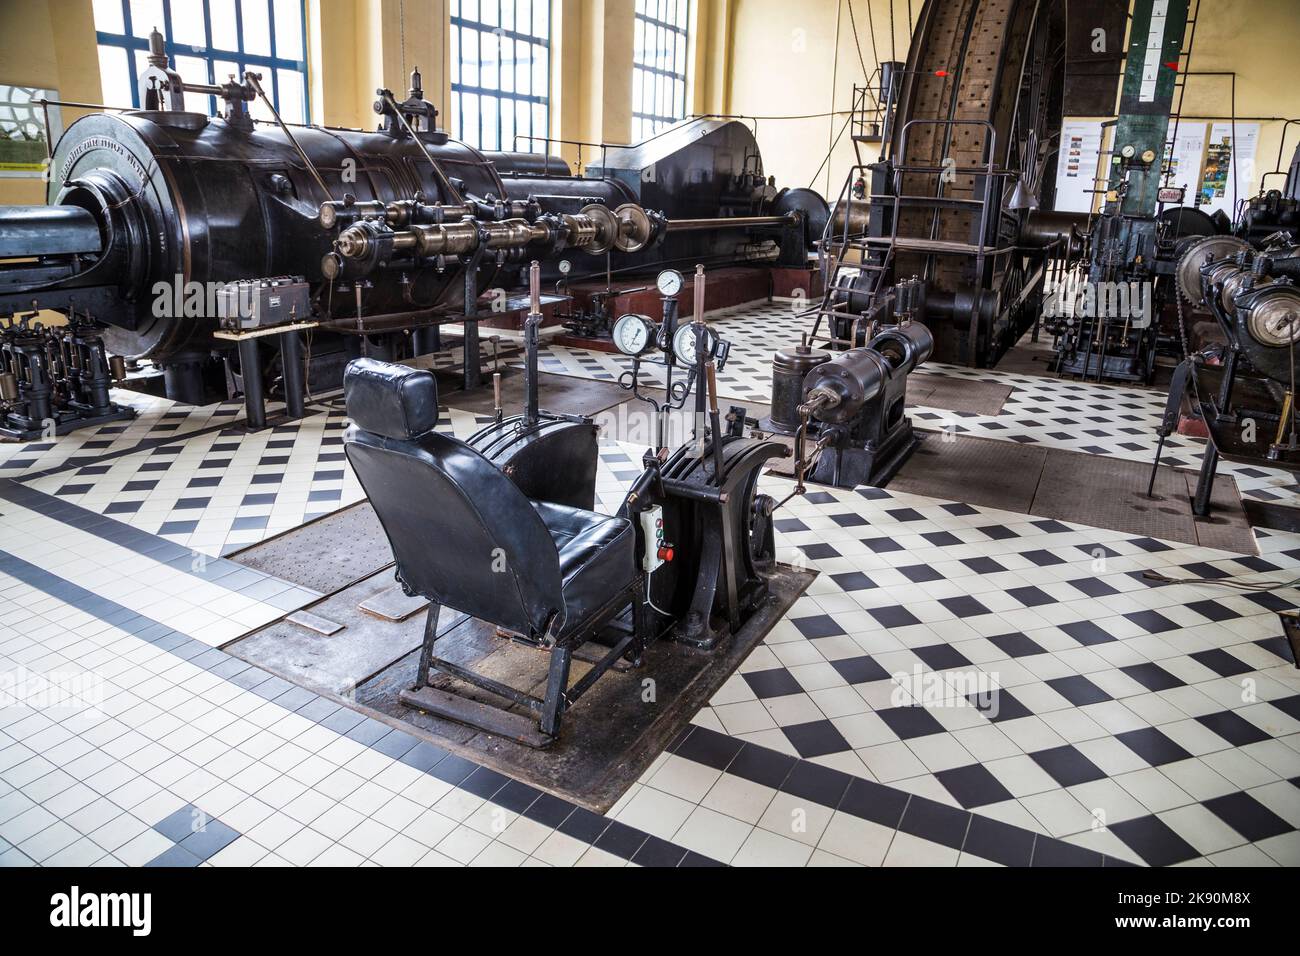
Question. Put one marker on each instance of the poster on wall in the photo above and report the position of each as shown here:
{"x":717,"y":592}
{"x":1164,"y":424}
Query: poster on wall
{"x":1076,"y":166}
{"x":22,"y":130}
{"x":1183,"y":163}
{"x":1229,"y":173}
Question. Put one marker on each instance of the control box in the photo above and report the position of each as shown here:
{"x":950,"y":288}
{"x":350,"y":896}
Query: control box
{"x":262,"y":303}
{"x":657,"y":549}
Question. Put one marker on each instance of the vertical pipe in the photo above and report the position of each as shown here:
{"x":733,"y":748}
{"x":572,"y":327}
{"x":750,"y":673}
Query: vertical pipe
{"x":250,"y":368}
{"x":294,"y":374}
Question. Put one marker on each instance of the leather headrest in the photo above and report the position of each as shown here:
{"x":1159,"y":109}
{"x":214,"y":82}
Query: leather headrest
{"x":391,"y":400}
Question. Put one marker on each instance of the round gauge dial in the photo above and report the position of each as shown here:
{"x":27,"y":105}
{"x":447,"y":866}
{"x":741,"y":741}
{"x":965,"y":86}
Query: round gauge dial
{"x":565,"y":267}
{"x":670,"y":282}
{"x":1128,"y":151}
{"x":1148,"y":156}
{"x":633,"y":334}
{"x":684,"y":343}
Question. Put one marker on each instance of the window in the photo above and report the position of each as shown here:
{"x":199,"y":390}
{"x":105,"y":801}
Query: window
{"x":207,"y":41}
{"x":501,"y":73}
{"x":659,"y":71}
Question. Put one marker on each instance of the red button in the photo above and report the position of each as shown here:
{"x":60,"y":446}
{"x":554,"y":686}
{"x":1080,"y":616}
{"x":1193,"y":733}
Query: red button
{"x":665,"y":554}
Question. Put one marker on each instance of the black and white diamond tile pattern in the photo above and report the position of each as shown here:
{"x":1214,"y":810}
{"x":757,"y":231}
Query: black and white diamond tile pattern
{"x":1058,"y":690}
{"x":1114,"y":420}
{"x":220,"y":491}
{"x":158,"y":420}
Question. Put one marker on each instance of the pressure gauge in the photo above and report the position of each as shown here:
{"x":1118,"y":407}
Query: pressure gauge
{"x":671,"y":282}
{"x":1149,"y":156}
{"x":1129,"y":151}
{"x":565,"y":267}
{"x":684,"y":343}
{"x":634,"y":334}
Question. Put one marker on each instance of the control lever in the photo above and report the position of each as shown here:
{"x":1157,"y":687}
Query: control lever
{"x":496,"y":396}
{"x":532,"y":342}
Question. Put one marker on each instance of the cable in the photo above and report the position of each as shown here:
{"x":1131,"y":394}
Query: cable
{"x":853,"y":23}
{"x":830,"y":153}
{"x":1237,"y":584}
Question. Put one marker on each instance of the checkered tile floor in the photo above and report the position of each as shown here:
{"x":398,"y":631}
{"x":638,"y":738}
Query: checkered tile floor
{"x":1071,"y":711}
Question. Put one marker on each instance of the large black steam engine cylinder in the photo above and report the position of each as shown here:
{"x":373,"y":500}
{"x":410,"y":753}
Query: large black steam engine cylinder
{"x":395,"y":230}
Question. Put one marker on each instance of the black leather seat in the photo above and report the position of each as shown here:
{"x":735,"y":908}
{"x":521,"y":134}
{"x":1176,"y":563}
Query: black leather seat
{"x":594,"y":553}
{"x":467,"y":538}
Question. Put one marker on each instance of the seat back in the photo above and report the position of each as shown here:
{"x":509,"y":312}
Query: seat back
{"x":462,"y":533}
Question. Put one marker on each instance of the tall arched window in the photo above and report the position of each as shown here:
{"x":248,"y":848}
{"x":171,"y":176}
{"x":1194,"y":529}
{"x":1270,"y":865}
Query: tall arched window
{"x":660,"y":65}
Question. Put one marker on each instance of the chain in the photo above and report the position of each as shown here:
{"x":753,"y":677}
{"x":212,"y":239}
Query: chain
{"x":401,"y":34}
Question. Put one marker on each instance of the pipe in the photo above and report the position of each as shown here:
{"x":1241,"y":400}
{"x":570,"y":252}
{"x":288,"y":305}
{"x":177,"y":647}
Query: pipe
{"x":729,"y":222}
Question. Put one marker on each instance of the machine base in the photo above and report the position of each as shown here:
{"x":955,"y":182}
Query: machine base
{"x":12,"y":430}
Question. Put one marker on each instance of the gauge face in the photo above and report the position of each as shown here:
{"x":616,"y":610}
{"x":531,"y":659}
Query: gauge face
{"x":565,"y":267}
{"x":670,"y":282}
{"x":1128,"y":151}
{"x":1149,"y":156}
{"x":684,"y":343}
{"x":633,"y":334}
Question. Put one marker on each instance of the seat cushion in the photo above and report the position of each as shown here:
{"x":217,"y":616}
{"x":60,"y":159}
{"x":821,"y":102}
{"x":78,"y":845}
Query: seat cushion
{"x":597,"y":557}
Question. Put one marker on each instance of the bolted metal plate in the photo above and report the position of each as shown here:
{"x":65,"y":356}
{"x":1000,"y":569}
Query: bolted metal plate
{"x":326,"y":555}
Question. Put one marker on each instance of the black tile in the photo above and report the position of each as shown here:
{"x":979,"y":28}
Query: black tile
{"x":620,"y":840}
{"x":176,"y":826}
{"x":895,"y":616}
{"x":212,"y":837}
{"x":709,"y":748}
{"x":1288,"y":705}
{"x":1152,"y":676}
{"x":905,"y":514}
{"x":964,"y":606}
{"x":942,"y":539}
{"x":1049,"y":852}
{"x":1152,"y":839}
{"x":395,"y":743}
{"x":909,"y":722}
{"x":484,"y":782}
{"x":655,"y":852}
{"x":1221,"y":662}
{"x":936,"y":822}
{"x":1078,"y":690}
{"x":1233,"y":728}
{"x":983,"y":565}
{"x":941,"y":657}
{"x":1067,"y":766}
{"x":1153,"y":622}
{"x":997,"y":841}
{"x":873,"y":801}
{"x":1093,"y":587}
{"x":853,"y":581}
{"x":815,"y":552}
{"x":859,"y":670}
{"x":849,"y":520}
{"x":998,"y":532}
{"x":1152,"y":746}
{"x":777,"y":682}
{"x":1002,"y":705}
{"x":453,"y":769}
{"x":920,"y":573}
{"x":1248,"y":816}
{"x":819,"y":625}
{"x":882,"y":545}
{"x":1043,"y":558}
{"x":548,"y":810}
{"x":816,"y":738}
{"x":974,"y":786}
{"x":1031,"y":596}
{"x":1016,"y":645}
{"x":1213,"y":610}
{"x":175,"y":857}
{"x":811,"y":781}
{"x":582,"y":824}
{"x":693,"y":859}
{"x":761,"y":765}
